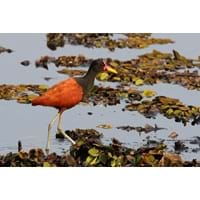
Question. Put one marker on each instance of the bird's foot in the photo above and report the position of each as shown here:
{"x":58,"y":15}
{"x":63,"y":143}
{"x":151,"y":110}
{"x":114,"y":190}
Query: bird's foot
{"x":66,"y":136}
{"x":47,"y":151}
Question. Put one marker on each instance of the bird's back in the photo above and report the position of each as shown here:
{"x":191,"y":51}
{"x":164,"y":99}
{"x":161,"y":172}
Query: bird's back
{"x":65,"y":94}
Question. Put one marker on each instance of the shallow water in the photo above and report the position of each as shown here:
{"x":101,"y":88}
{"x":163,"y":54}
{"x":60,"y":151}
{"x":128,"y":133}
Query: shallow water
{"x":29,"y":124}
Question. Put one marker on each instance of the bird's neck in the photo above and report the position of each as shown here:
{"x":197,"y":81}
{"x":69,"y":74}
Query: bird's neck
{"x":87,"y":81}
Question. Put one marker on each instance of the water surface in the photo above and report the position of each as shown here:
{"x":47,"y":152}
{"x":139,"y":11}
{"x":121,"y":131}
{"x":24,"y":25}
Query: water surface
{"x":29,"y":124}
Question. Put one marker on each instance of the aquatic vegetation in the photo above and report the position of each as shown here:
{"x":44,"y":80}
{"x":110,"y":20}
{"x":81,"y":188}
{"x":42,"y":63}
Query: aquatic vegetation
{"x":148,"y":93}
{"x":86,"y":133}
{"x":112,"y":96}
{"x":103,"y":40}
{"x":169,"y":107}
{"x":150,"y":68}
{"x":72,"y":72}
{"x":90,"y":151}
{"x":65,"y":61}
{"x":55,"y":40}
{"x":21,"y":93}
{"x":99,"y":95}
{"x":155,"y":67}
{"x":44,"y":61}
{"x":71,"y":61}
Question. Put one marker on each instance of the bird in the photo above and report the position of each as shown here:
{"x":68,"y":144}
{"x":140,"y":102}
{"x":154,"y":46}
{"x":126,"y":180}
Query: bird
{"x":68,"y":93}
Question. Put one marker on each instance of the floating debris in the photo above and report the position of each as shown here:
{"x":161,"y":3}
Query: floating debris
{"x":179,"y":146}
{"x":196,"y":140}
{"x":25,"y":63}
{"x":44,"y":61}
{"x":149,"y":93}
{"x":173,"y":135}
{"x":3,"y":50}
{"x":104,"y":126}
{"x":19,"y":146}
{"x":127,"y":128}
{"x":171,"y":159}
{"x":48,"y":78}
{"x":196,"y":120}
{"x":138,"y":81}
{"x":146,"y":129}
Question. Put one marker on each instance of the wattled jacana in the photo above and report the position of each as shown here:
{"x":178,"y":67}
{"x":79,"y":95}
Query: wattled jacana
{"x":69,"y":93}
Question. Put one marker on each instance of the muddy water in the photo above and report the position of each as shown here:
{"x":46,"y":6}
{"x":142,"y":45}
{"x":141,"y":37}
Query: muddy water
{"x":29,"y":124}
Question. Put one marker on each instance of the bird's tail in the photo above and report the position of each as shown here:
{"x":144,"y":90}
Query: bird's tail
{"x":36,"y":101}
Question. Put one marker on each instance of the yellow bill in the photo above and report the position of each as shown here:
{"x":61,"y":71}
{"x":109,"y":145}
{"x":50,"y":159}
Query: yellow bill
{"x":110,"y":69}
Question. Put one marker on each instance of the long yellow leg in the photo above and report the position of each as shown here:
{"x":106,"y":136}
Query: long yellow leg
{"x":60,"y":129}
{"x":49,"y":133}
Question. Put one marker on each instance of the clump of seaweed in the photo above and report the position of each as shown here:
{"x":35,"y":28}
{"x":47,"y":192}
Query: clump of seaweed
{"x":71,"y":61}
{"x":21,"y":93}
{"x":169,"y":107}
{"x":90,"y":151}
{"x":150,"y":68}
{"x":55,"y":40}
{"x":64,"y":61}
{"x":112,"y":96}
{"x":103,"y":40}
{"x":44,"y":61}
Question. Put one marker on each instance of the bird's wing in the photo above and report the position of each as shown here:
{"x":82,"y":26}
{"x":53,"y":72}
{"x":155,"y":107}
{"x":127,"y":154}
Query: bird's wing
{"x":65,"y":94}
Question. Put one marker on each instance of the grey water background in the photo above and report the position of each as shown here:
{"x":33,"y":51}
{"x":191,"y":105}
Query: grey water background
{"x":29,"y":124}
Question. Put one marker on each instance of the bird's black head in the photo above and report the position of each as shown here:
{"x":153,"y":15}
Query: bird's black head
{"x":99,"y":65}
{"x":96,"y":66}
